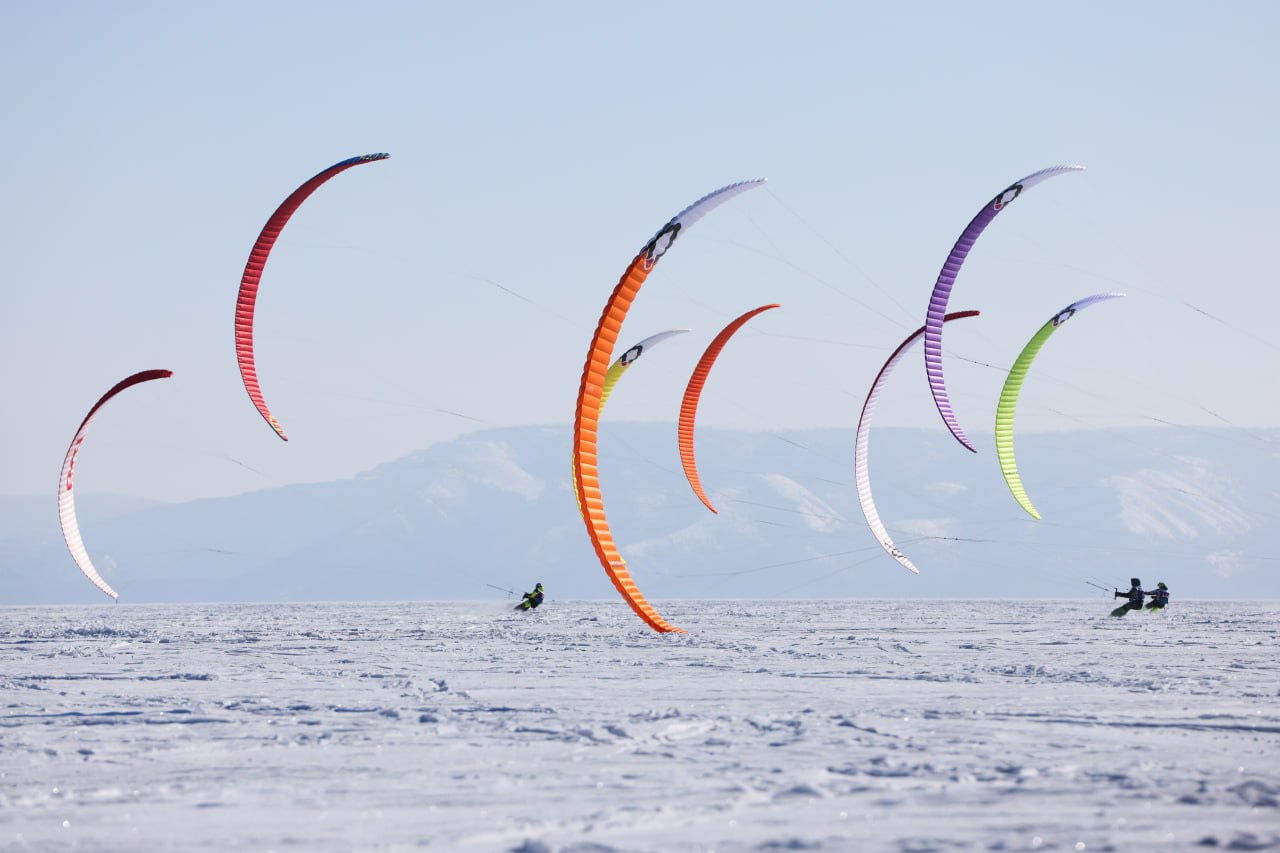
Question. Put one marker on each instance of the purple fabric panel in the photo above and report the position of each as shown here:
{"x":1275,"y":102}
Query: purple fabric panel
{"x":938,"y":309}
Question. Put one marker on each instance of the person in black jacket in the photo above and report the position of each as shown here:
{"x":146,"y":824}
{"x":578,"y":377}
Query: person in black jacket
{"x":1135,"y":597}
{"x":531,"y":599}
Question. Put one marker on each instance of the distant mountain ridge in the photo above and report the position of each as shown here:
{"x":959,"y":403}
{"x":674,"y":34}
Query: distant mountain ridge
{"x":1192,"y":507}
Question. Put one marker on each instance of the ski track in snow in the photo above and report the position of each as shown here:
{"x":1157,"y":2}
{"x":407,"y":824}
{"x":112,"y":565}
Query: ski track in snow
{"x":773,"y":725}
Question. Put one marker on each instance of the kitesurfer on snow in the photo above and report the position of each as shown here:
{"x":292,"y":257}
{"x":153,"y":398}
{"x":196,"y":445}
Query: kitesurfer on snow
{"x":1135,"y":596}
{"x":531,"y":599}
{"x":1159,"y":598}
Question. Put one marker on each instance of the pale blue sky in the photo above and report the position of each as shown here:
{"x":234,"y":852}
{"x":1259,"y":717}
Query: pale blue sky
{"x":535,"y":147}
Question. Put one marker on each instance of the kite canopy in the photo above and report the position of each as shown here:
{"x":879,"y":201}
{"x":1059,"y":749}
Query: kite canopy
{"x":947,"y":279}
{"x":586,"y":473}
{"x":66,"y":482}
{"x":693,"y":392}
{"x":1013,"y":385}
{"x":630,"y":357}
{"x":861,"y":473}
{"x":248,"y":297}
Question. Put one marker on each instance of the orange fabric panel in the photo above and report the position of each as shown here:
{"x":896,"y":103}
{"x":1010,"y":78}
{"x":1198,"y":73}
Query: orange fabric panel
{"x":585,"y":430}
{"x":692,"y":393}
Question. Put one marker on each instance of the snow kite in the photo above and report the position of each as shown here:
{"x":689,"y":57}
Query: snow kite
{"x":947,"y":279}
{"x":586,"y":419}
{"x":692,"y":393}
{"x":248,"y":297}
{"x":618,"y":368}
{"x":630,"y":357}
{"x":66,"y":482}
{"x":1013,"y":384}
{"x":862,"y":476}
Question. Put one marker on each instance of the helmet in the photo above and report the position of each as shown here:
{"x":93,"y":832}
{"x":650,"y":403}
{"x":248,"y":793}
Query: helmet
{"x":1161,"y":585}
{"x":537,"y":586}
{"x":1135,"y":582}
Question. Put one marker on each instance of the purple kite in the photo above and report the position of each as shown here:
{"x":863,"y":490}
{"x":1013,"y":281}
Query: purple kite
{"x":947,"y":279}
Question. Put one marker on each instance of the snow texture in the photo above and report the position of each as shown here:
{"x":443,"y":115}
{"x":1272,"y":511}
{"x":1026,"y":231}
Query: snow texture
{"x":461,"y":726}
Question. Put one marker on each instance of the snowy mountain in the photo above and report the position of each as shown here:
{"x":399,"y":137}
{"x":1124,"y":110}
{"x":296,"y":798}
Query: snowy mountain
{"x":1191,"y":507}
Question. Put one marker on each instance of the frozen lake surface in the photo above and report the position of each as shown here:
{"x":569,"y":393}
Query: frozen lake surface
{"x":797,"y":725}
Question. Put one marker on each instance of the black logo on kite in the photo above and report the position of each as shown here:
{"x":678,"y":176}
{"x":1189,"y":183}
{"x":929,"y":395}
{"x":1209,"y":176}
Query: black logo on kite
{"x":631,"y":355}
{"x":1063,"y":316}
{"x":1007,"y":196}
{"x":660,"y":243}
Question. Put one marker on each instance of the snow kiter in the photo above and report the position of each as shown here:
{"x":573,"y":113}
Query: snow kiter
{"x":586,"y":418}
{"x":248,"y":296}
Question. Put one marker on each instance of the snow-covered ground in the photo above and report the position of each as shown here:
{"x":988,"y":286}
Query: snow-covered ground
{"x":845,"y":725}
